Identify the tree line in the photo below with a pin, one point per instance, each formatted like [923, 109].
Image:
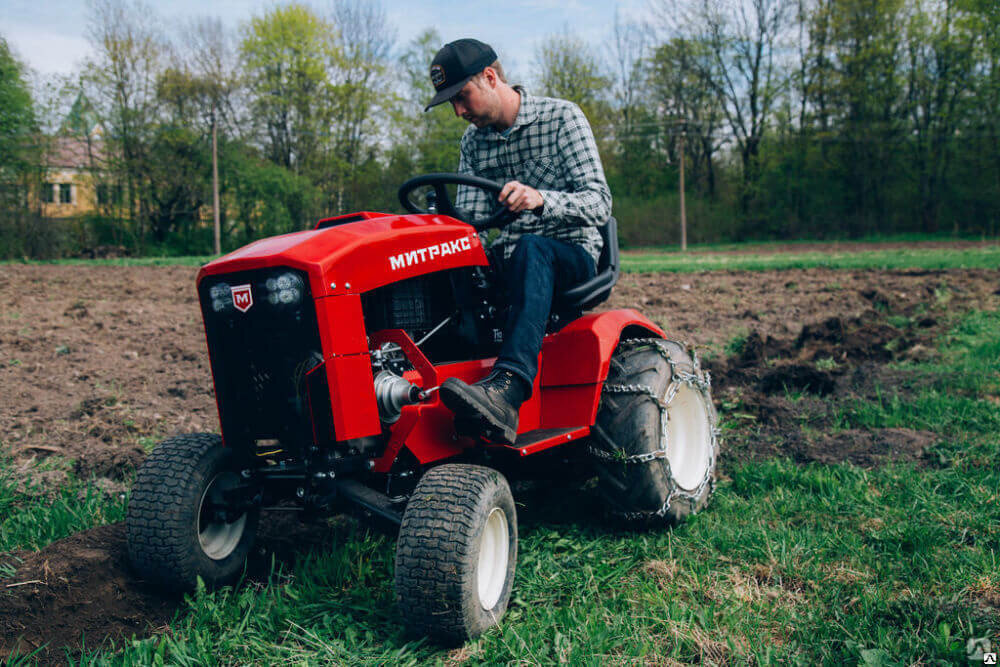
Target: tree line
[796, 119]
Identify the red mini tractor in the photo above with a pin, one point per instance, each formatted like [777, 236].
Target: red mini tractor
[327, 347]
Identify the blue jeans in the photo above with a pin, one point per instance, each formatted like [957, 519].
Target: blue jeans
[539, 268]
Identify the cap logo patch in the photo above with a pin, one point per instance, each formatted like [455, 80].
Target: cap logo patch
[437, 75]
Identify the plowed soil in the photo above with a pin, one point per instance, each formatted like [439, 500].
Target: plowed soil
[98, 363]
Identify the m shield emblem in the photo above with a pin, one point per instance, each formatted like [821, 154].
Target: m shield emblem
[437, 76]
[242, 298]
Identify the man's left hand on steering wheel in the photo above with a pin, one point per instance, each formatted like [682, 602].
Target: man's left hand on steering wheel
[518, 197]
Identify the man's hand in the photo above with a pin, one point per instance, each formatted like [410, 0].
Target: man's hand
[518, 197]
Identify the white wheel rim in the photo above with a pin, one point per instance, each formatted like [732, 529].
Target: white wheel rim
[494, 549]
[689, 438]
[218, 539]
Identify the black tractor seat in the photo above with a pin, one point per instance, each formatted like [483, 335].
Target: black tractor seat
[595, 291]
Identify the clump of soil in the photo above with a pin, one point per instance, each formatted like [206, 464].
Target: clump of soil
[75, 588]
[81, 590]
[783, 385]
[863, 447]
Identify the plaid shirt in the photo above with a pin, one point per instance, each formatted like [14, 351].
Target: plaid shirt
[551, 148]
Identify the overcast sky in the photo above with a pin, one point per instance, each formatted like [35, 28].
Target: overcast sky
[50, 35]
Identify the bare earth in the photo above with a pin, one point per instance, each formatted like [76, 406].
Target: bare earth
[96, 362]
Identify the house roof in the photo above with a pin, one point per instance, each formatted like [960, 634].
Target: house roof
[73, 153]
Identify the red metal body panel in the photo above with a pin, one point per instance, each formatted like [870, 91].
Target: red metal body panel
[340, 330]
[574, 364]
[352, 394]
[427, 429]
[360, 256]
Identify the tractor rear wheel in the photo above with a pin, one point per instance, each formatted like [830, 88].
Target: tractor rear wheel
[178, 527]
[655, 443]
[456, 553]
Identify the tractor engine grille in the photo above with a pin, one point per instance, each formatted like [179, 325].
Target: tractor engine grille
[263, 339]
[416, 304]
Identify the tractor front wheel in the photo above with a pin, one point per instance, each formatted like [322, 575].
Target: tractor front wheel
[456, 553]
[179, 524]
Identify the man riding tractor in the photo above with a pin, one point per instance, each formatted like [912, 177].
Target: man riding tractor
[543, 150]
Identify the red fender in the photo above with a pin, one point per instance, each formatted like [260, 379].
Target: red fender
[575, 363]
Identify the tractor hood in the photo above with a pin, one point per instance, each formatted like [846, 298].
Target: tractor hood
[361, 255]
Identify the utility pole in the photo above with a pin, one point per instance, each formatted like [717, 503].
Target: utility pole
[684, 232]
[215, 183]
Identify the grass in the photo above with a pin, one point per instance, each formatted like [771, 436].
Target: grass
[742, 257]
[191, 260]
[986, 257]
[33, 517]
[804, 564]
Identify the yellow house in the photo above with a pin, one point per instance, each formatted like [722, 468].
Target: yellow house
[70, 188]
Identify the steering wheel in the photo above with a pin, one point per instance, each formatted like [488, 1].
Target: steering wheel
[502, 217]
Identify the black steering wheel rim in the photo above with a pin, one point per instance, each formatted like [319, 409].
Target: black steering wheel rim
[500, 218]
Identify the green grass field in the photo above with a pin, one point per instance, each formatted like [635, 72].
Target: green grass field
[748, 257]
[986, 257]
[817, 564]
[790, 563]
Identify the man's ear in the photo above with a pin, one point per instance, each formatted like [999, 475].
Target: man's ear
[490, 77]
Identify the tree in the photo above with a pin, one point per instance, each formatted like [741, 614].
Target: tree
[681, 84]
[741, 36]
[287, 56]
[627, 53]
[18, 125]
[865, 93]
[431, 139]
[941, 43]
[121, 80]
[361, 89]
[568, 69]
[20, 164]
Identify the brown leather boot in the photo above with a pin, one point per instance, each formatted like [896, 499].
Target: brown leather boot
[488, 408]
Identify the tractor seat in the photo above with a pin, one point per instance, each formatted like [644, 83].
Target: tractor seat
[588, 294]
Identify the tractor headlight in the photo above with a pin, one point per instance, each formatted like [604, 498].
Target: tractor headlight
[285, 289]
[221, 295]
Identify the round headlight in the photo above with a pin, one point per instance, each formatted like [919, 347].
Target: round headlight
[220, 291]
[218, 305]
[271, 284]
[289, 296]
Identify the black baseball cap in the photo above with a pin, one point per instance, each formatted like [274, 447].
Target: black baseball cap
[455, 64]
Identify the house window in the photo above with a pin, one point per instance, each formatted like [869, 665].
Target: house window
[65, 193]
[47, 189]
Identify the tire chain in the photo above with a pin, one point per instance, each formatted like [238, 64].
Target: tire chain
[698, 380]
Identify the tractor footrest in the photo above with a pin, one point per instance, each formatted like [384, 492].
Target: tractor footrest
[531, 442]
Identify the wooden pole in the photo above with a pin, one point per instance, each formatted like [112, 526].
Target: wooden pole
[684, 233]
[215, 184]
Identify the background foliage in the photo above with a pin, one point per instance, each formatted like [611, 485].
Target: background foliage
[806, 119]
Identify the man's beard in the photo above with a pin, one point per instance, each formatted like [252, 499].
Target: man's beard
[479, 121]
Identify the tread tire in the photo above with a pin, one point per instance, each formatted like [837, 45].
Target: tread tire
[629, 424]
[161, 525]
[437, 552]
